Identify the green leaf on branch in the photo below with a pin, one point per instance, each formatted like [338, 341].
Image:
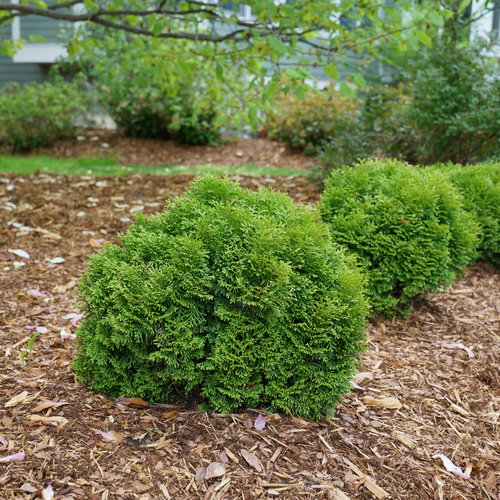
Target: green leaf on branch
[424, 38]
[358, 80]
[331, 70]
[347, 90]
[435, 18]
[278, 46]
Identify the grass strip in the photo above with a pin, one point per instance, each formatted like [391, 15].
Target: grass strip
[101, 167]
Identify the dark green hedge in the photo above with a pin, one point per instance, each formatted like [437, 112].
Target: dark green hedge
[406, 225]
[234, 295]
[480, 188]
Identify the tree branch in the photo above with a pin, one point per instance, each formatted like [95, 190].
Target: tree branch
[50, 7]
[104, 17]
[96, 18]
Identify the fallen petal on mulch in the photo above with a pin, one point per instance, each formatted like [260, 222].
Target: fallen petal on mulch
[260, 422]
[252, 460]
[450, 466]
[111, 435]
[215, 469]
[17, 457]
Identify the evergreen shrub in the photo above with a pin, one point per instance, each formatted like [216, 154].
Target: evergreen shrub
[480, 187]
[405, 224]
[239, 297]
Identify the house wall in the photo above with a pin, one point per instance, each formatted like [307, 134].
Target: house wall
[22, 73]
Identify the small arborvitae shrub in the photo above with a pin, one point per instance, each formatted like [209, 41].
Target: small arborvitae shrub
[405, 224]
[480, 188]
[239, 297]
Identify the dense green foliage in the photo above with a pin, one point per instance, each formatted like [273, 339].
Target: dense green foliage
[150, 95]
[313, 121]
[40, 114]
[480, 188]
[454, 106]
[235, 295]
[406, 225]
[271, 41]
[446, 107]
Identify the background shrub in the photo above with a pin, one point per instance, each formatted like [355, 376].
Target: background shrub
[442, 104]
[318, 121]
[405, 224]
[237, 295]
[480, 188]
[150, 92]
[454, 105]
[40, 114]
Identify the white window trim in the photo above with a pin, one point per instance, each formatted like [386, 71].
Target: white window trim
[36, 53]
[40, 53]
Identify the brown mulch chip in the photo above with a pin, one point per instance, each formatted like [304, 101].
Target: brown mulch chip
[139, 151]
[428, 387]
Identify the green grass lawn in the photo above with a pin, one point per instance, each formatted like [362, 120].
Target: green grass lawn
[100, 167]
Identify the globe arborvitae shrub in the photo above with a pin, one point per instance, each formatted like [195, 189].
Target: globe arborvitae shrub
[237, 296]
[480, 188]
[405, 224]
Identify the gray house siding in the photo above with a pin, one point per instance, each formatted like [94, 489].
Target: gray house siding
[22, 73]
[40, 26]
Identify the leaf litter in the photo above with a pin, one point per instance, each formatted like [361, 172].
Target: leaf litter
[427, 386]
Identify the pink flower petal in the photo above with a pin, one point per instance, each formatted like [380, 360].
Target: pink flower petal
[110, 436]
[66, 335]
[48, 493]
[3, 441]
[36, 293]
[260, 422]
[74, 317]
[17, 457]
[41, 329]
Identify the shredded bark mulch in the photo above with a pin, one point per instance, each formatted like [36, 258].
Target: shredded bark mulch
[139, 151]
[428, 387]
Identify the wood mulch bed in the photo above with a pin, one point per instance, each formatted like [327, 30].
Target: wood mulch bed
[428, 385]
[138, 151]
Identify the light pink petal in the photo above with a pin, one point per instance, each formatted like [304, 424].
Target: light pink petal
[40, 310]
[30, 327]
[66, 335]
[110, 436]
[450, 466]
[48, 493]
[17, 457]
[260, 422]
[41, 329]
[74, 317]
[3, 441]
[36, 293]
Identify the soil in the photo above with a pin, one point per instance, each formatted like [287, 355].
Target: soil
[136, 151]
[428, 385]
